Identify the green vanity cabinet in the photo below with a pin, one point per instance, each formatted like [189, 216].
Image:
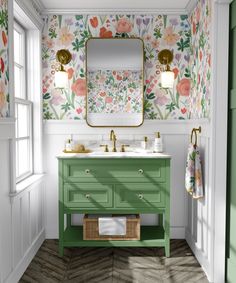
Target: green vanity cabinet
[114, 185]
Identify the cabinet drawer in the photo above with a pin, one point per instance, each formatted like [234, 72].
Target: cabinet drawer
[136, 195]
[75, 170]
[88, 195]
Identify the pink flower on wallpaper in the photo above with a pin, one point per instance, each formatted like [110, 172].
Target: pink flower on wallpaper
[183, 110]
[102, 94]
[155, 43]
[169, 36]
[79, 87]
[183, 87]
[123, 26]
[49, 43]
[57, 98]
[175, 71]
[198, 14]
[126, 74]
[161, 98]
[2, 98]
[65, 37]
[108, 99]
[79, 110]
[147, 37]
[70, 73]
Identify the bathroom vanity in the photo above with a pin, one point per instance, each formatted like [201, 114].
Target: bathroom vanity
[114, 183]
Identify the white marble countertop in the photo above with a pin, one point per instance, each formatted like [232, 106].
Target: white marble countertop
[129, 154]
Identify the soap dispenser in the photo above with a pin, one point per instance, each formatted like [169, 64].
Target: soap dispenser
[158, 145]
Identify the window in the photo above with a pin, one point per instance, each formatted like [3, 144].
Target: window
[23, 107]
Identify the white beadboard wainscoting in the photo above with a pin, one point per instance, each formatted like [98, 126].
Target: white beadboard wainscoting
[21, 217]
[190, 219]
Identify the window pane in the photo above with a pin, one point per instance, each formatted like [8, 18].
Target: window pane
[19, 79]
[23, 157]
[23, 120]
[17, 47]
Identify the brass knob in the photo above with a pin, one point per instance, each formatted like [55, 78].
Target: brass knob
[87, 171]
[105, 147]
[140, 171]
[140, 196]
[123, 147]
[87, 195]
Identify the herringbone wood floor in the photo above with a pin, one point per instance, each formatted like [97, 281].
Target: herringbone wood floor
[114, 265]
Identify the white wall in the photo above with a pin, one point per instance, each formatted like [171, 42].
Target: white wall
[21, 217]
[176, 139]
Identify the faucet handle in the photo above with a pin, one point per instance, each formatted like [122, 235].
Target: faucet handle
[105, 147]
[123, 147]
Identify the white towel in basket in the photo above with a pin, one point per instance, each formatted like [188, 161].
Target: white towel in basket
[112, 226]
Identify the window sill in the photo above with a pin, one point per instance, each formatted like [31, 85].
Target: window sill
[26, 184]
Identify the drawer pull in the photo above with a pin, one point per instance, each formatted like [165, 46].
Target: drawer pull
[87, 196]
[140, 171]
[140, 196]
[87, 171]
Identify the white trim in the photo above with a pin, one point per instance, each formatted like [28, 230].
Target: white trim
[25, 261]
[190, 6]
[38, 5]
[25, 12]
[26, 185]
[101, 11]
[80, 127]
[205, 264]
[218, 154]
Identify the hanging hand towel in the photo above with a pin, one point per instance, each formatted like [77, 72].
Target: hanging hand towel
[198, 188]
[193, 175]
[190, 166]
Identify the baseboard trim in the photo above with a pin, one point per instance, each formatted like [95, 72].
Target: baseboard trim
[202, 259]
[16, 274]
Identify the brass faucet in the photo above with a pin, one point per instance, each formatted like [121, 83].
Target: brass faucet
[113, 138]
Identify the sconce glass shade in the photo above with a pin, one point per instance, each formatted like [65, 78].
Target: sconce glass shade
[61, 79]
[167, 79]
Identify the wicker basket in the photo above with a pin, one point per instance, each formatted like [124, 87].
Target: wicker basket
[90, 229]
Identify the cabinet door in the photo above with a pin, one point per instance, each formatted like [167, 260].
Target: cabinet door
[92, 195]
[136, 195]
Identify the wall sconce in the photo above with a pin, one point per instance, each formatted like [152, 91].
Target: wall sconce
[167, 76]
[61, 77]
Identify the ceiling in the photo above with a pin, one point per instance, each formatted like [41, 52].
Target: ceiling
[145, 5]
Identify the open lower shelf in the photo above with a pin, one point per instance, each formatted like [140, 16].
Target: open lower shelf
[151, 236]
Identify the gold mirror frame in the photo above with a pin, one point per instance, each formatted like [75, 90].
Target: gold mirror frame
[86, 70]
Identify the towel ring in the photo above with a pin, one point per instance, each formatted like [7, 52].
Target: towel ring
[194, 131]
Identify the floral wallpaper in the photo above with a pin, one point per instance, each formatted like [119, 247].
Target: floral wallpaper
[114, 91]
[158, 32]
[187, 37]
[200, 62]
[4, 78]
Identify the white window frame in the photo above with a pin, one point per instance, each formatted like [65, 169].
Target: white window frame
[27, 102]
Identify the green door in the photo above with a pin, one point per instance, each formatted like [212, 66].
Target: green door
[231, 194]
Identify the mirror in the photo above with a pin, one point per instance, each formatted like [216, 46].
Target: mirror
[114, 76]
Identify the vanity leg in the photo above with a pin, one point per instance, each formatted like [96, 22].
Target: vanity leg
[160, 220]
[167, 233]
[61, 229]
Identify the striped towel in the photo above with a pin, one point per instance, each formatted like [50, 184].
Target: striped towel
[193, 175]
